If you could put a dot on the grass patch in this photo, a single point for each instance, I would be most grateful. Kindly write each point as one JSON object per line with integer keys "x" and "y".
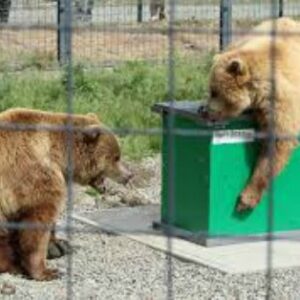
{"x": 122, "y": 96}
{"x": 37, "y": 60}
{"x": 92, "y": 192}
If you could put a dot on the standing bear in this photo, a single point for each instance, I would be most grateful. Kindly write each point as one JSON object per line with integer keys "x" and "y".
{"x": 34, "y": 167}
{"x": 261, "y": 71}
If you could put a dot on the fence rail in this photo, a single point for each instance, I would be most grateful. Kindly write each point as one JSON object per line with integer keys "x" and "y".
{"x": 108, "y": 32}
{"x": 53, "y": 33}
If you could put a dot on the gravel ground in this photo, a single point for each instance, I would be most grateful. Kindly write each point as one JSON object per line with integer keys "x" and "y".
{"x": 114, "y": 267}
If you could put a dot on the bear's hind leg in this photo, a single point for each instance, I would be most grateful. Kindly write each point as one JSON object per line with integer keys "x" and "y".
{"x": 33, "y": 242}
{"x": 7, "y": 255}
{"x": 37, "y": 217}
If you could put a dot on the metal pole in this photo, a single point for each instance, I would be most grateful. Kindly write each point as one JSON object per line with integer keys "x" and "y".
{"x": 4, "y": 10}
{"x": 62, "y": 39}
{"x": 66, "y": 31}
{"x": 281, "y": 7}
{"x": 58, "y": 38}
{"x": 225, "y": 23}
{"x": 140, "y": 11}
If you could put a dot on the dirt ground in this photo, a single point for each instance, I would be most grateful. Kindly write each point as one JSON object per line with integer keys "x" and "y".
{"x": 99, "y": 47}
{"x": 94, "y": 46}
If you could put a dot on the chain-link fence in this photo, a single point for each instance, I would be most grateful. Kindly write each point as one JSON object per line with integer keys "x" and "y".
{"x": 42, "y": 154}
{"x": 106, "y": 32}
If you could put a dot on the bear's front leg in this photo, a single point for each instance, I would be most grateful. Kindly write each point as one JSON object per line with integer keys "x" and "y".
{"x": 260, "y": 180}
{"x": 252, "y": 194}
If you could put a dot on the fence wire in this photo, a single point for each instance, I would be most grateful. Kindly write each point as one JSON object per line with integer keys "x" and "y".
{"x": 102, "y": 27}
{"x": 105, "y": 32}
{"x": 110, "y": 32}
{"x": 271, "y": 147}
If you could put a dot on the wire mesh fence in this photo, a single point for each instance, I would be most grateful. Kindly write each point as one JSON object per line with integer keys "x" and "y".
{"x": 111, "y": 31}
{"x": 106, "y": 32}
{"x": 100, "y": 33}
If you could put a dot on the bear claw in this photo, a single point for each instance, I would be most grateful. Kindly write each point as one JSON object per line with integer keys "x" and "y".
{"x": 47, "y": 275}
{"x": 247, "y": 201}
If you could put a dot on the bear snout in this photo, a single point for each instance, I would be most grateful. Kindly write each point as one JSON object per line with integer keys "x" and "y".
{"x": 98, "y": 184}
{"x": 214, "y": 116}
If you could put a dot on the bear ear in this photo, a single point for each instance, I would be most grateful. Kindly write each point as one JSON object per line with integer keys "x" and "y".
{"x": 237, "y": 67}
{"x": 93, "y": 116}
{"x": 91, "y": 135}
{"x": 216, "y": 58}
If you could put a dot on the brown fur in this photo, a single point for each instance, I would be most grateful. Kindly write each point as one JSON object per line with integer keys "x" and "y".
{"x": 241, "y": 78}
{"x": 33, "y": 174}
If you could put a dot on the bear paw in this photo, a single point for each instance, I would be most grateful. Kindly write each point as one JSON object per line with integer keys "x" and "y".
{"x": 47, "y": 275}
{"x": 248, "y": 199}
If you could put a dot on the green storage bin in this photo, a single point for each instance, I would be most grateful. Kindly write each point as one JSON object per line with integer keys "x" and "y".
{"x": 211, "y": 170}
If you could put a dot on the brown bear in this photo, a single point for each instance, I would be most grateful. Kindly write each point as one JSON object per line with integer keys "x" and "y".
{"x": 261, "y": 71}
{"x": 33, "y": 174}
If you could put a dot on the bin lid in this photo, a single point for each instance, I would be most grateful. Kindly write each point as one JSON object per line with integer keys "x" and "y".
{"x": 189, "y": 109}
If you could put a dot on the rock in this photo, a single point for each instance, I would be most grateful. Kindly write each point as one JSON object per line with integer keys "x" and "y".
{"x": 7, "y": 289}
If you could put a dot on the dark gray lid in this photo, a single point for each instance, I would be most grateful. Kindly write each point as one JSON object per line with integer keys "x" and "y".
{"x": 190, "y": 110}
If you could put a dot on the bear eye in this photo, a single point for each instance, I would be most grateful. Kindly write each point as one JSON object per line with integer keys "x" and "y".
{"x": 213, "y": 94}
{"x": 117, "y": 158}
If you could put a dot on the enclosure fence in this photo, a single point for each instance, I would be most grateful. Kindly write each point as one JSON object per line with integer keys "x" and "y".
{"x": 108, "y": 32}
{"x": 50, "y": 27}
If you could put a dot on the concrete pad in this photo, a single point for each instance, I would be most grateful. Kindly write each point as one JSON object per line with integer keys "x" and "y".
{"x": 136, "y": 224}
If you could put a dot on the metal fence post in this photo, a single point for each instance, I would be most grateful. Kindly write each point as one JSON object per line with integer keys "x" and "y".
{"x": 4, "y": 10}
{"x": 280, "y": 13}
{"x": 225, "y": 23}
{"x": 62, "y": 34}
{"x": 140, "y": 11}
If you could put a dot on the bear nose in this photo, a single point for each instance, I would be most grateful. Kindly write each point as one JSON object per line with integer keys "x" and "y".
{"x": 214, "y": 116}
{"x": 203, "y": 112}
